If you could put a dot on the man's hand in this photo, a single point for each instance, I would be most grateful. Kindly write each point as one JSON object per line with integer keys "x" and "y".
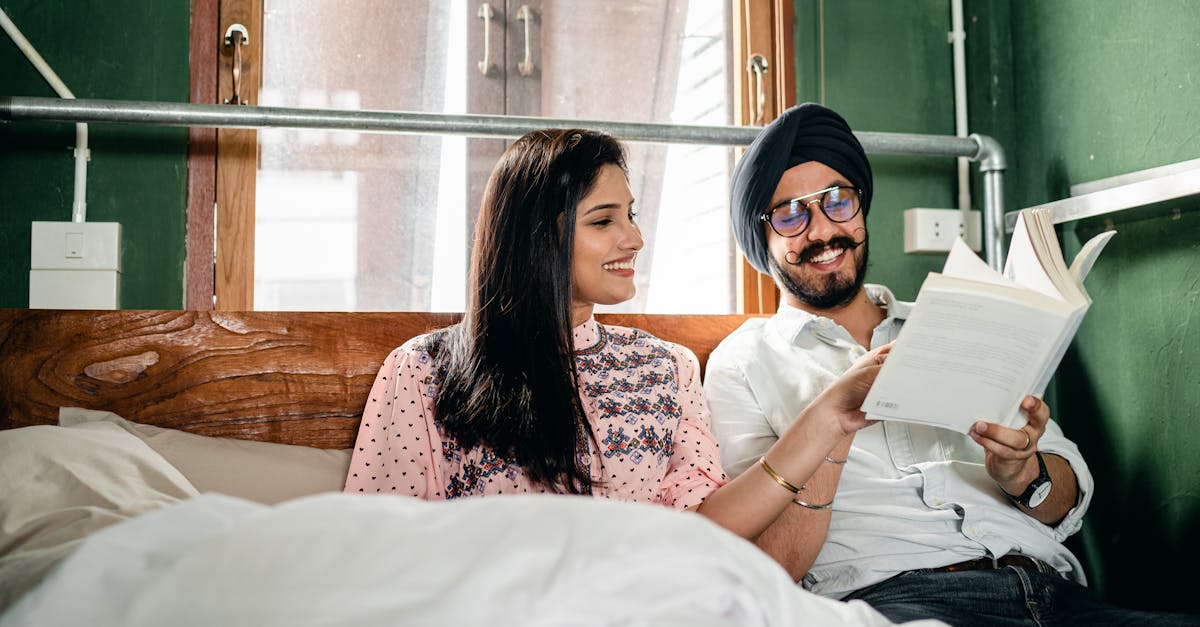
{"x": 1011, "y": 463}
{"x": 1009, "y": 452}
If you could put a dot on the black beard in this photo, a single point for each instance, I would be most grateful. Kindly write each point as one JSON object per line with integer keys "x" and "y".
{"x": 829, "y": 292}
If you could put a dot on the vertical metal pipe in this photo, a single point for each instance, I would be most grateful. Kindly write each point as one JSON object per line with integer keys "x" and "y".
{"x": 957, "y": 35}
{"x": 992, "y": 165}
{"x": 993, "y": 217}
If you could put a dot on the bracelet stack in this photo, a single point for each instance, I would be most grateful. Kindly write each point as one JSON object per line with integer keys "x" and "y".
{"x": 787, "y": 485}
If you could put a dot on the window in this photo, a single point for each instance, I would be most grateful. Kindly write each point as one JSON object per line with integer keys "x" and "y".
{"x": 350, "y": 221}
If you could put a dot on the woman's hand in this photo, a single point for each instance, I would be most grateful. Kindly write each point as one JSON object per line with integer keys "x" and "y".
{"x": 843, "y": 399}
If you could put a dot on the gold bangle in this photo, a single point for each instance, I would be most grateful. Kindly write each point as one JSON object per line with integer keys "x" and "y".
{"x": 780, "y": 480}
{"x": 812, "y": 506}
{"x": 834, "y": 461}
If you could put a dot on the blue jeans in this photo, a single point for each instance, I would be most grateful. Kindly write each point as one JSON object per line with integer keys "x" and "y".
{"x": 1005, "y": 596}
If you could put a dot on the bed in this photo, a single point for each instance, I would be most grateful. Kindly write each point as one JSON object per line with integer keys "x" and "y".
{"x": 185, "y": 467}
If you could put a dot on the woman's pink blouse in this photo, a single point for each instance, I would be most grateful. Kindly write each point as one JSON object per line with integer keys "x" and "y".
{"x": 642, "y": 397}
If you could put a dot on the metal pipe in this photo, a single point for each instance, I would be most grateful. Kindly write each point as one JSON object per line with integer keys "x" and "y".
{"x": 221, "y": 116}
{"x": 958, "y": 52}
{"x": 976, "y": 147}
{"x": 993, "y": 207}
{"x": 992, "y": 164}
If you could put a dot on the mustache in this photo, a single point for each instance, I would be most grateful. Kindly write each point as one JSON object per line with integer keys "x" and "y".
{"x": 843, "y": 241}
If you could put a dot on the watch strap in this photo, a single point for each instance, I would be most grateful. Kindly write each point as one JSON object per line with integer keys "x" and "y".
{"x": 1042, "y": 478}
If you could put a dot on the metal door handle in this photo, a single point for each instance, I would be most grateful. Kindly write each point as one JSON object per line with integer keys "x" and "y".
{"x": 525, "y": 14}
{"x": 485, "y": 13}
{"x": 758, "y": 66}
{"x": 235, "y": 37}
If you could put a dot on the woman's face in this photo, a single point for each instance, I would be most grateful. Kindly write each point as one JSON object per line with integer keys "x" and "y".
{"x": 607, "y": 241}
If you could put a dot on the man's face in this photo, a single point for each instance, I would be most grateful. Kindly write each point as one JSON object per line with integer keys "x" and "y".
{"x": 824, "y": 266}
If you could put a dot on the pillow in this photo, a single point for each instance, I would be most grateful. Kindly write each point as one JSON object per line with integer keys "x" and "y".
{"x": 264, "y": 472}
{"x": 59, "y": 485}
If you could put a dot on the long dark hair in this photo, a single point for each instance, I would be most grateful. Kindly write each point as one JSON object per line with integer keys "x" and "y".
{"x": 508, "y": 378}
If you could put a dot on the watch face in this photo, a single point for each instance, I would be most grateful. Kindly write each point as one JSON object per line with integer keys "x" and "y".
{"x": 1039, "y": 494}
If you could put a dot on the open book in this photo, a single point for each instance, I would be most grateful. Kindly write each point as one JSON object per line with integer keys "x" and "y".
{"x": 978, "y": 341}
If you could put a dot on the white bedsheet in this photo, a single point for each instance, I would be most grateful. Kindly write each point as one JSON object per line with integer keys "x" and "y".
{"x": 338, "y": 559}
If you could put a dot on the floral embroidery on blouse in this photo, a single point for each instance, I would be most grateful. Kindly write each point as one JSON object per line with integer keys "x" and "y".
{"x": 644, "y": 406}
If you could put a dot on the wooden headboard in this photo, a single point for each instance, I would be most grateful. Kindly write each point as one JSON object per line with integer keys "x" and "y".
{"x": 290, "y": 377}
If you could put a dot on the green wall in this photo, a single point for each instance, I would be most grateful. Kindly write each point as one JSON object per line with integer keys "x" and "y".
{"x": 1106, "y": 88}
{"x": 887, "y": 68}
{"x": 1075, "y": 90}
{"x": 118, "y": 49}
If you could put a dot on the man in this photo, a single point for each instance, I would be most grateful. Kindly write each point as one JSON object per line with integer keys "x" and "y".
{"x": 917, "y": 521}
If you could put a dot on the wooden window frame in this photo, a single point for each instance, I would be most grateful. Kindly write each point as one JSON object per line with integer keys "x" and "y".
{"x": 202, "y": 160}
{"x": 764, "y": 28}
{"x": 222, "y": 163}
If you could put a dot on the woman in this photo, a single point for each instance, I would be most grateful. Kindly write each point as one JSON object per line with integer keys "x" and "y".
{"x": 530, "y": 394}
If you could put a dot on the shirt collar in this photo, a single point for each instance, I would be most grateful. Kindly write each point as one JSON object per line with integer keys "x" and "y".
{"x": 791, "y": 321}
{"x": 883, "y": 297}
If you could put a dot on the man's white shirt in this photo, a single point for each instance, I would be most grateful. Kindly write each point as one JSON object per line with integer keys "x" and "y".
{"x": 910, "y": 496}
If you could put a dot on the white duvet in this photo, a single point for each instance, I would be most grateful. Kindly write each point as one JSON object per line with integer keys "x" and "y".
{"x": 338, "y": 559}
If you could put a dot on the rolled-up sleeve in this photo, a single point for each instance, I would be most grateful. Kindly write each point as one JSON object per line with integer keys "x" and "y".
{"x": 397, "y": 444}
{"x": 1053, "y": 441}
{"x": 695, "y": 469}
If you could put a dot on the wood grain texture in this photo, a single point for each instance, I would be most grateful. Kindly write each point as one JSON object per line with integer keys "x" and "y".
{"x": 290, "y": 377}
{"x": 202, "y": 159}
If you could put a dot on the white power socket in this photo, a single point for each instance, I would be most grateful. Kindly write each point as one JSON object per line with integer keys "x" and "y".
{"x": 934, "y": 230}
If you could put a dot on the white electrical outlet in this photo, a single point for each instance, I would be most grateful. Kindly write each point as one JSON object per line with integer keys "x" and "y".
{"x": 934, "y": 230}
{"x": 75, "y": 265}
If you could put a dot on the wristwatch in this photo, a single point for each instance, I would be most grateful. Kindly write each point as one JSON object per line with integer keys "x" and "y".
{"x": 1038, "y": 489}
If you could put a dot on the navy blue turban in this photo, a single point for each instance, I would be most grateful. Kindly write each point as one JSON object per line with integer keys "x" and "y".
{"x": 805, "y": 132}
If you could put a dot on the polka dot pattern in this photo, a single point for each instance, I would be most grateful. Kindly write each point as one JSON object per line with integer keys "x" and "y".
{"x": 642, "y": 397}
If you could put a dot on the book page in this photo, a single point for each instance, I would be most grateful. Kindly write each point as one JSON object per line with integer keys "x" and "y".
{"x": 969, "y": 352}
{"x": 1087, "y": 255}
{"x": 963, "y": 263}
{"x": 1023, "y": 264}
{"x": 1049, "y": 252}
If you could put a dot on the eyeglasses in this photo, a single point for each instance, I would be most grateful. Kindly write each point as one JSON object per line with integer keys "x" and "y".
{"x": 790, "y": 217}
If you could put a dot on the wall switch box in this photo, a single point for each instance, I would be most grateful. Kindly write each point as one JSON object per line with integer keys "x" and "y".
{"x": 75, "y": 265}
{"x": 934, "y": 230}
{"x": 75, "y": 246}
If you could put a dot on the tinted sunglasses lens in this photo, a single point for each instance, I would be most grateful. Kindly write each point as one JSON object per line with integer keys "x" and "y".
{"x": 790, "y": 219}
{"x": 840, "y": 204}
